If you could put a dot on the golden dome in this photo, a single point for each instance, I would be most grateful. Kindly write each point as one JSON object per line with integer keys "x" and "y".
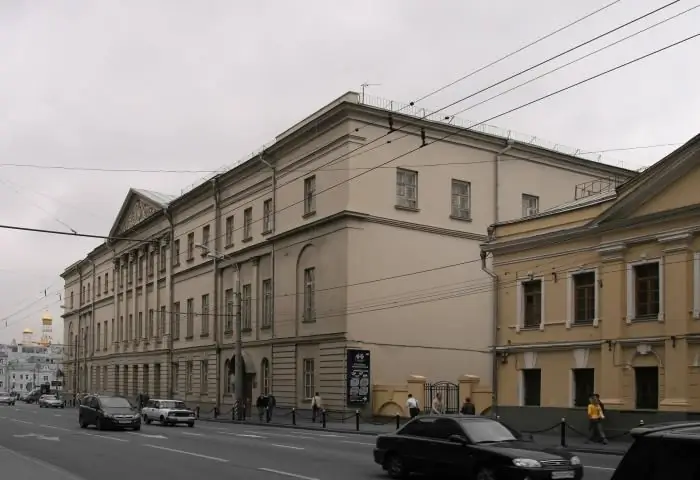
{"x": 46, "y": 316}
{"x": 28, "y": 330}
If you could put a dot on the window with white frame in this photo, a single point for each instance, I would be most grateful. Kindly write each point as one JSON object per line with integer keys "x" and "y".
{"x": 246, "y": 307}
{"x": 531, "y": 307}
{"x": 248, "y": 223}
{"x": 205, "y": 315}
{"x": 645, "y": 290}
{"x": 406, "y": 188}
{"x": 584, "y": 300}
{"x": 461, "y": 199}
{"x": 309, "y": 378}
{"x": 265, "y": 371}
{"x": 309, "y": 313}
{"x": 229, "y": 231}
{"x": 190, "y": 317}
{"x": 531, "y": 205}
{"x": 267, "y": 303}
{"x": 310, "y": 195}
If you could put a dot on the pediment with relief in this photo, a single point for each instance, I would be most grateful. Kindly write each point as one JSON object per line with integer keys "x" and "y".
{"x": 138, "y": 206}
{"x": 138, "y": 211}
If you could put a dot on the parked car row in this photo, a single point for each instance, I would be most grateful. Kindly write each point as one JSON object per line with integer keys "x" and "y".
{"x": 115, "y": 412}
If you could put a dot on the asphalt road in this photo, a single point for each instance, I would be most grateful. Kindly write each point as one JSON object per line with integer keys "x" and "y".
{"x": 39, "y": 442}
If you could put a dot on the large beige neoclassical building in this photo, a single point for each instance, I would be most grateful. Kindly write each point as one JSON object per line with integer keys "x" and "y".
{"x": 330, "y": 254}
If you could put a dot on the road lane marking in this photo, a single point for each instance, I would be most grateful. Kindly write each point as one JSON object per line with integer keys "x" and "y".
{"x": 56, "y": 428}
{"x": 286, "y": 446}
{"x": 56, "y": 414}
{"x": 605, "y": 469}
{"x": 248, "y": 435}
{"x": 21, "y": 421}
{"x": 104, "y": 436}
{"x": 358, "y": 443}
{"x": 149, "y": 436}
{"x": 287, "y": 474}
{"x": 334, "y": 436}
{"x": 193, "y": 434}
{"x": 275, "y": 434}
{"x": 206, "y": 457}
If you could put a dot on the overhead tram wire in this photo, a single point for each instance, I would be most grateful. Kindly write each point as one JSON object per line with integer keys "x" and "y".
{"x": 391, "y": 130}
{"x": 454, "y": 132}
{"x": 594, "y": 52}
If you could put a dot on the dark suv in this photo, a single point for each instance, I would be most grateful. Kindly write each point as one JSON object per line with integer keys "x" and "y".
{"x": 664, "y": 451}
{"x": 108, "y": 412}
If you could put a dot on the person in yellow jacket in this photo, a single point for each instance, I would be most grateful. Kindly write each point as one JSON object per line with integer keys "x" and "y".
{"x": 595, "y": 420}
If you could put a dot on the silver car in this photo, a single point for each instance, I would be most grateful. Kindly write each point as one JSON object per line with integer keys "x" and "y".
{"x": 6, "y": 399}
{"x": 51, "y": 401}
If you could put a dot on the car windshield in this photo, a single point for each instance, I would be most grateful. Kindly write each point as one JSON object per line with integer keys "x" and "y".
{"x": 49, "y": 397}
{"x": 173, "y": 404}
{"x": 115, "y": 402}
{"x": 487, "y": 431}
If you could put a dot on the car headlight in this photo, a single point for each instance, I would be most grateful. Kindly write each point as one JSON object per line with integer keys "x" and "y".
{"x": 136, "y": 417}
{"x": 526, "y": 463}
{"x": 575, "y": 460}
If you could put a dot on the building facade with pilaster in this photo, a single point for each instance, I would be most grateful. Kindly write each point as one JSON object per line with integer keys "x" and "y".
{"x": 327, "y": 260}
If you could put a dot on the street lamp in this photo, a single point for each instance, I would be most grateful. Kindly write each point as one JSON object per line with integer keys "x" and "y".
{"x": 239, "y": 382}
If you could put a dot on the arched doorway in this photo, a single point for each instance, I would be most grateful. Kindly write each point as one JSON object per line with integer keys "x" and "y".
{"x": 248, "y": 378}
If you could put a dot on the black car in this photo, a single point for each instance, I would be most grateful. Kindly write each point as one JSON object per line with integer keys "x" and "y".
{"x": 471, "y": 447}
{"x": 108, "y": 412}
{"x": 663, "y": 451}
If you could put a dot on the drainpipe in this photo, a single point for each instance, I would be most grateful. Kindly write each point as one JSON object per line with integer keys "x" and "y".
{"x": 171, "y": 290}
{"x": 494, "y": 334}
{"x": 274, "y": 229}
{"x": 215, "y": 270}
{"x": 496, "y": 180}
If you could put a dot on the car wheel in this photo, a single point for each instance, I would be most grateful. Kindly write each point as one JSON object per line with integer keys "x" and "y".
{"x": 485, "y": 474}
{"x": 162, "y": 421}
{"x": 395, "y": 467}
{"x": 136, "y": 429}
{"x": 190, "y": 424}
{"x": 82, "y": 423}
{"x": 98, "y": 425}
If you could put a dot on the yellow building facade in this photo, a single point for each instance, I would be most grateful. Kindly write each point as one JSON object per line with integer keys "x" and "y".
{"x": 603, "y": 295}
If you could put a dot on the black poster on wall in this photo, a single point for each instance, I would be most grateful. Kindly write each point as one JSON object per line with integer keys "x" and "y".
{"x": 358, "y": 377}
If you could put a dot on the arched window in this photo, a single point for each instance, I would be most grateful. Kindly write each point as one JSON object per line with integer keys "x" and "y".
{"x": 265, "y": 376}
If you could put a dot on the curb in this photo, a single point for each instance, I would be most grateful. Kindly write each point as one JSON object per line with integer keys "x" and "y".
{"x": 597, "y": 451}
{"x": 293, "y": 427}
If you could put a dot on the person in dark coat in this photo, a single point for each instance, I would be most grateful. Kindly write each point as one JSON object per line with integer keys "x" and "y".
{"x": 468, "y": 407}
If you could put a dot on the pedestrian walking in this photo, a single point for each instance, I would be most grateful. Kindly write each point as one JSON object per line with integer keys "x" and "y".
{"x": 316, "y": 405}
{"x": 595, "y": 421}
{"x": 271, "y": 404}
{"x": 437, "y": 407}
{"x": 468, "y": 407}
{"x": 412, "y": 405}
{"x": 261, "y": 404}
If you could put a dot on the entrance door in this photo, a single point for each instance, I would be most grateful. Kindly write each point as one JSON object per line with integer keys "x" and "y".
{"x": 647, "y": 387}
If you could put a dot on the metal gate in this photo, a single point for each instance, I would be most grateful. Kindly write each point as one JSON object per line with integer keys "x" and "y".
{"x": 450, "y": 396}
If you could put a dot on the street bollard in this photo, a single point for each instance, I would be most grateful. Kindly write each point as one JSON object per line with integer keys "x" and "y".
{"x": 294, "y": 416}
{"x": 641, "y": 423}
{"x": 357, "y": 420}
{"x": 323, "y": 418}
{"x": 562, "y": 432}
{"x": 398, "y": 421}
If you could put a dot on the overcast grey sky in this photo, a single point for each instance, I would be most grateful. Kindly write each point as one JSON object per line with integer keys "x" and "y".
{"x": 177, "y": 84}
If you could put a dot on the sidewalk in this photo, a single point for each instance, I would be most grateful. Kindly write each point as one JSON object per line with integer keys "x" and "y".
{"x": 386, "y": 425}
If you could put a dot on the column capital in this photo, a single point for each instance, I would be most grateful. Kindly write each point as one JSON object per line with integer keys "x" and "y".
{"x": 132, "y": 255}
{"x": 256, "y": 261}
{"x": 115, "y": 262}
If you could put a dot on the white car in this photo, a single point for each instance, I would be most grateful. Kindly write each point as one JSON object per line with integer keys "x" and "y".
{"x": 167, "y": 412}
{"x": 50, "y": 401}
{"x": 6, "y": 399}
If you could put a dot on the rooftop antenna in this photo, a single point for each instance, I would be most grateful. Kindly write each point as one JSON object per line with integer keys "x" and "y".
{"x": 367, "y": 85}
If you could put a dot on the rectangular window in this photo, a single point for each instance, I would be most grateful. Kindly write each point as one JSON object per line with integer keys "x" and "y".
{"x": 161, "y": 322}
{"x": 532, "y": 303}
{"x": 461, "y": 200}
{"x": 130, "y": 328}
{"x": 72, "y": 300}
{"x": 206, "y": 233}
{"x": 406, "y": 188}
{"x": 121, "y": 328}
{"x": 246, "y": 307}
{"x": 176, "y": 252}
{"x": 229, "y": 231}
{"x": 646, "y": 382}
{"x": 105, "y": 342}
{"x": 106, "y": 283}
{"x": 310, "y": 195}
{"x": 309, "y": 295}
{"x": 309, "y": 378}
{"x": 188, "y": 376}
{"x": 248, "y": 223}
{"x": 98, "y": 290}
{"x": 583, "y": 385}
{"x": 228, "y": 298}
{"x": 99, "y": 335}
{"x": 647, "y": 283}
{"x": 190, "y": 246}
{"x": 114, "y": 336}
{"x": 205, "y": 315}
{"x": 142, "y": 261}
{"x": 176, "y": 321}
{"x": 151, "y": 322}
{"x": 531, "y": 205}
{"x": 267, "y": 303}
{"x": 532, "y": 386}
{"x": 162, "y": 258}
{"x": 190, "y": 317}
{"x": 139, "y": 326}
{"x": 267, "y": 216}
{"x": 584, "y": 290}
{"x": 204, "y": 377}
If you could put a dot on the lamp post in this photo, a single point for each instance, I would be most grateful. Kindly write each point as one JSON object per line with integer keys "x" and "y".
{"x": 239, "y": 379}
